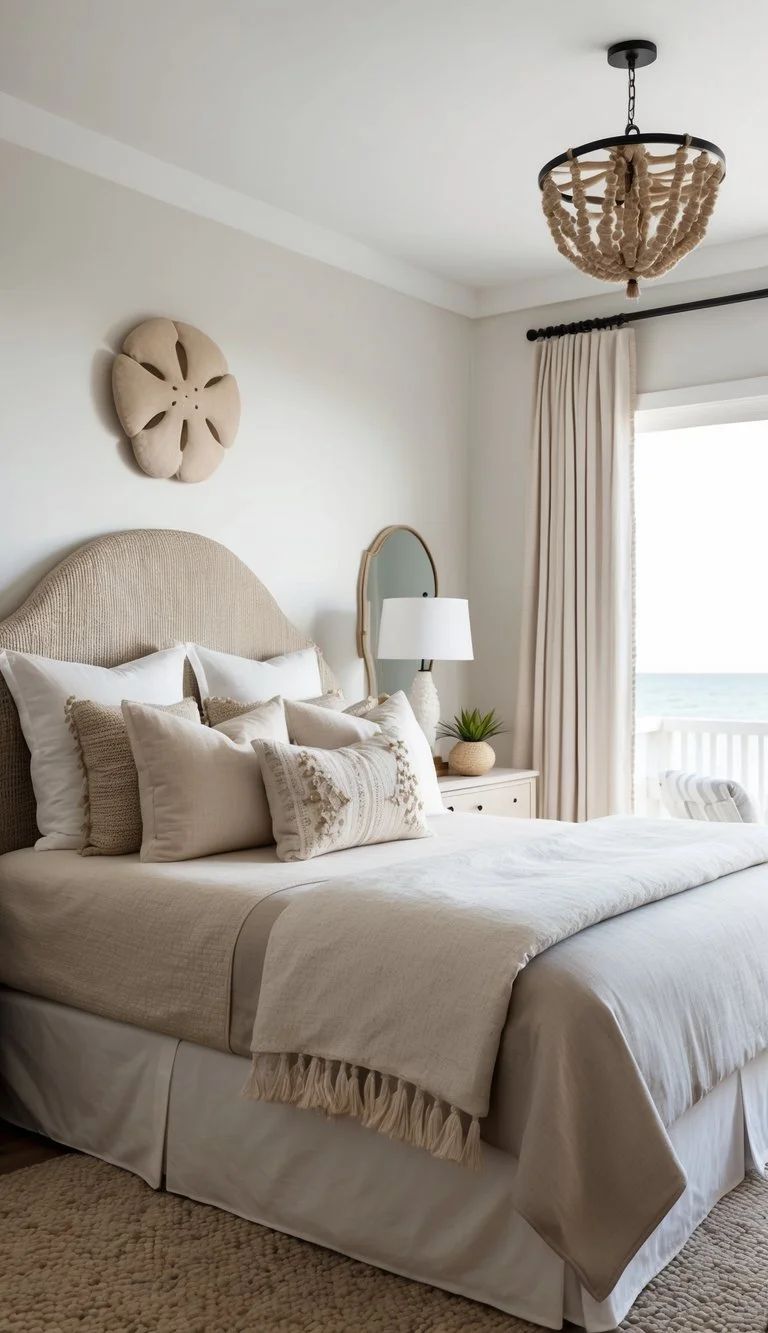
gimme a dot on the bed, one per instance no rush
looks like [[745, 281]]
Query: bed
[[149, 1075]]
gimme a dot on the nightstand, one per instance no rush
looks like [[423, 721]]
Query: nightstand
[[503, 791]]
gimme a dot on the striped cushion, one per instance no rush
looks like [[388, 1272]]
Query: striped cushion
[[720, 800]]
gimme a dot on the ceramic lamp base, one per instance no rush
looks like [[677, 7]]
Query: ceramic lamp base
[[425, 704]]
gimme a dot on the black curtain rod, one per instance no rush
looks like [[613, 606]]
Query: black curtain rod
[[617, 321]]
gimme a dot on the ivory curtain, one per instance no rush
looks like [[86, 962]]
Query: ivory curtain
[[575, 707]]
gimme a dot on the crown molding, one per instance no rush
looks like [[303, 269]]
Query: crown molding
[[30, 127], [708, 261], [530, 293]]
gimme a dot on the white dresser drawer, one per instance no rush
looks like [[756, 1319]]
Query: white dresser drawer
[[516, 799]]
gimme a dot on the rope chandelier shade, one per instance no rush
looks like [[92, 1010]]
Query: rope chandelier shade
[[632, 206]]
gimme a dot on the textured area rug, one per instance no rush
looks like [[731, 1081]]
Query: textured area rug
[[86, 1248]]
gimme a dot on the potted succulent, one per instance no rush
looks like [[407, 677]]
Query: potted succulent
[[472, 756]]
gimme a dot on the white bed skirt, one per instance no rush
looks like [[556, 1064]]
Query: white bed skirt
[[98, 1086], [157, 1106]]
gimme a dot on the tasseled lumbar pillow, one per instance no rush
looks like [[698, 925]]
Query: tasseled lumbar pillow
[[324, 800]]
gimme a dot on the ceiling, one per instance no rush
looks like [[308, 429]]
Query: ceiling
[[416, 127]]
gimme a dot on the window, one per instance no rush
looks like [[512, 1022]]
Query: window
[[702, 602]]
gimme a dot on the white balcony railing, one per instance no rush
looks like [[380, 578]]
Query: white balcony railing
[[714, 748]]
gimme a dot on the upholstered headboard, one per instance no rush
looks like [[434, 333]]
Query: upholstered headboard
[[118, 598]]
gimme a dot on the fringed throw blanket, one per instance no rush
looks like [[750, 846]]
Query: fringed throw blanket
[[384, 997]]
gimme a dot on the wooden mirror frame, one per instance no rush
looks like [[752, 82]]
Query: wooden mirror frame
[[363, 627]]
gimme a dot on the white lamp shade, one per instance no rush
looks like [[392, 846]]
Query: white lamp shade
[[427, 628]]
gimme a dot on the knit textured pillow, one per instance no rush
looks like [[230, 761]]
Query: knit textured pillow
[[112, 807], [324, 800]]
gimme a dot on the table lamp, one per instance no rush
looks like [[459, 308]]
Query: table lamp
[[430, 629]]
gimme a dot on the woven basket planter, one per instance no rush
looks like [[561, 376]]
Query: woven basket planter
[[470, 759]]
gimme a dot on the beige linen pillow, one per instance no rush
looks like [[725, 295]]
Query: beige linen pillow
[[324, 728], [112, 807], [363, 707], [219, 710], [335, 699], [324, 800], [201, 788], [331, 699]]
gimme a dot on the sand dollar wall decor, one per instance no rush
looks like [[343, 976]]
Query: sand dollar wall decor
[[175, 399]]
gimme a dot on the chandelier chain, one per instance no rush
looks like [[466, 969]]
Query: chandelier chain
[[631, 127]]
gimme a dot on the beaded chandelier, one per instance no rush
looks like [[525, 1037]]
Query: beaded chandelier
[[627, 208]]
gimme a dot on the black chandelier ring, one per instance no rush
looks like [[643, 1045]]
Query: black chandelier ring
[[621, 141]]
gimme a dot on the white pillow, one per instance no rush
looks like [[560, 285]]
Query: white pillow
[[225, 676], [325, 728], [396, 718], [40, 688], [201, 788]]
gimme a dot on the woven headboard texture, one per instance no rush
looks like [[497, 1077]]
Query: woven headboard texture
[[123, 596]]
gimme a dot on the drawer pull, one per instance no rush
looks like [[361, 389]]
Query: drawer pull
[[514, 800], [450, 807], [479, 808]]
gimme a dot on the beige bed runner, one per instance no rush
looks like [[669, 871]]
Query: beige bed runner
[[136, 943], [384, 998]]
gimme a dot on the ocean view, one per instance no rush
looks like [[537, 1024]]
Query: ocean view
[[740, 696]]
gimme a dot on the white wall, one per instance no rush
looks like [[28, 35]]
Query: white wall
[[355, 399], [356, 407], [728, 343]]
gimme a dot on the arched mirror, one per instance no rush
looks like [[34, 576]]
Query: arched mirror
[[397, 564]]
